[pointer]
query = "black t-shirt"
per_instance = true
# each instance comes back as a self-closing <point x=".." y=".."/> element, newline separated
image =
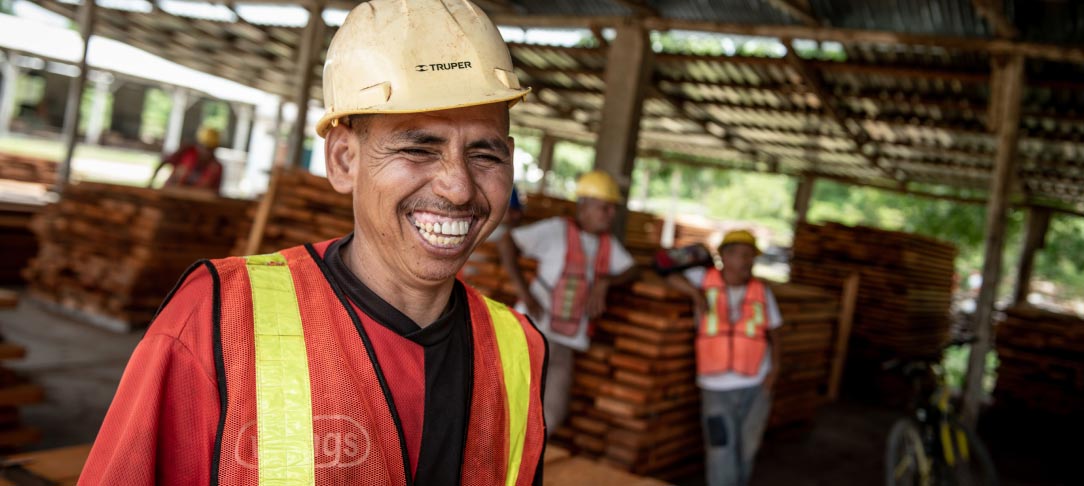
<point x="448" y="377"/>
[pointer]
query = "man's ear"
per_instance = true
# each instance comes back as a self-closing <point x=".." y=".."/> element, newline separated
<point x="340" y="151"/>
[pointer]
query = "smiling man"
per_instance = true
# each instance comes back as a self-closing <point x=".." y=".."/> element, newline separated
<point x="360" y="360"/>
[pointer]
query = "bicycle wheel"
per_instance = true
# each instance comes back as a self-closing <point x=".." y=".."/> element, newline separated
<point x="906" y="461"/>
<point x="974" y="466"/>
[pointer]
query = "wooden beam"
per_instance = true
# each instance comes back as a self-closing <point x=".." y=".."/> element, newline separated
<point x="801" y="13"/>
<point x="639" y="8"/>
<point x="628" y="71"/>
<point x="73" y="107"/>
<point x="545" y="158"/>
<point x="1050" y="52"/>
<point x="1010" y="71"/>
<point x="803" y="196"/>
<point x="307" y="55"/>
<point x="848" y="301"/>
<point x="1034" y="239"/>
<point x="994" y="14"/>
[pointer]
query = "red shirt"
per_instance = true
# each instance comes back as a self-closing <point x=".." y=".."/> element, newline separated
<point x="190" y="171"/>
<point x="161" y="426"/>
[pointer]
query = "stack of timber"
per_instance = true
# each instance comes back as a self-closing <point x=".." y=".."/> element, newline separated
<point x="484" y="272"/>
<point x="15" y="392"/>
<point x="635" y="403"/>
<point x="27" y="169"/>
<point x="1041" y="369"/>
<point x="903" y="301"/>
<point x="561" y="469"/>
<point x="59" y="467"/>
<point x="111" y="253"/>
<point x="17" y="242"/>
<point x="304" y="209"/>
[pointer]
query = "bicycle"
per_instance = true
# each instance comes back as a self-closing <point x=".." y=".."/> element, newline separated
<point x="931" y="447"/>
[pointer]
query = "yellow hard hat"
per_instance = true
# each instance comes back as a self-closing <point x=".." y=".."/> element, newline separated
<point x="208" y="137"/>
<point x="740" y="236"/>
<point x="598" y="185"/>
<point x="394" y="56"/>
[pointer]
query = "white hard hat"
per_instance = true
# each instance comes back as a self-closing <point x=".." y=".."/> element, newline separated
<point x="410" y="56"/>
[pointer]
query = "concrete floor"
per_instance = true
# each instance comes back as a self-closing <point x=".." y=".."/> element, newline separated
<point x="77" y="364"/>
<point x="80" y="365"/>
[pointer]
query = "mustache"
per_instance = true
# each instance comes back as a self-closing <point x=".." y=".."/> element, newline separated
<point x="441" y="205"/>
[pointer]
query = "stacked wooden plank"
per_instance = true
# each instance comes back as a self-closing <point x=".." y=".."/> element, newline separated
<point x="635" y="403"/>
<point x="1042" y="363"/>
<point x="561" y="469"/>
<point x="15" y="392"/>
<point x="27" y="169"/>
<point x="903" y="302"/>
<point x="304" y="209"/>
<point x="809" y="344"/>
<point x="17" y="242"/>
<point x="112" y="253"/>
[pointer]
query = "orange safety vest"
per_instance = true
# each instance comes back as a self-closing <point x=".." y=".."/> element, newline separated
<point x="352" y="428"/>
<point x="570" y="294"/>
<point x="737" y="347"/>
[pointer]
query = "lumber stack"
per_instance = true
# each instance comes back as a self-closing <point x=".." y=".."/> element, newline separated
<point x="903" y="301"/>
<point x="635" y="403"/>
<point x="808" y="341"/>
<point x="27" y="169"/>
<point x="15" y="392"/>
<point x="1042" y="363"/>
<point x="304" y="209"/>
<point x="112" y="253"/>
<point x="17" y="242"/>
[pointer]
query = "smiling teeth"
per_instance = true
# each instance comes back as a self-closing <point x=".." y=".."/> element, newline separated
<point x="446" y="233"/>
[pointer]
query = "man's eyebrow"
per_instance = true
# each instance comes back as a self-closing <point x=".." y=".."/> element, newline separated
<point x="418" y="137"/>
<point x="494" y="144"/>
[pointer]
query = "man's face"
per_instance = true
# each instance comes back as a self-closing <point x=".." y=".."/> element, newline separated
<point x="738" y="261"/>
<point x="428" y="187"/>
<point x="596" y="216"/>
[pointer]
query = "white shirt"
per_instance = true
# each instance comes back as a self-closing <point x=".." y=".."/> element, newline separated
<point x="735" y="294"/>
<point x="545" y="241"/>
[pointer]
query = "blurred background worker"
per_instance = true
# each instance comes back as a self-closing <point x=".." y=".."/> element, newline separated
<point x="736" y="363"/>
<point x="578" y="261"/>
<point x="194" y="165"/>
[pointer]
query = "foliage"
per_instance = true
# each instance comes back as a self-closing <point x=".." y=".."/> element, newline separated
<point x="86" y="107"/>
<point x="156" y="106"/>
<point x="216" y="114"/>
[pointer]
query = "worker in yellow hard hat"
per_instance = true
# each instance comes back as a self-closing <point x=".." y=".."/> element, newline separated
<point x="195" y="165"/>
<point x="578" y="261"/>
<point x="737" y="356"/>
<point x="362" y="359"/>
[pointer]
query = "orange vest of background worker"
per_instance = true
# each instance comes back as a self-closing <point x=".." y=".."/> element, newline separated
<point x="578" y="261"/>
<point x="723" y="346"/>
<point x="195" y="166"/>
<point x="737" y="357"/>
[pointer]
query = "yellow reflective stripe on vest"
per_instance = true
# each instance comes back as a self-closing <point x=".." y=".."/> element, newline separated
<point x="283" y="397"/>
<point x="516" y="365"/>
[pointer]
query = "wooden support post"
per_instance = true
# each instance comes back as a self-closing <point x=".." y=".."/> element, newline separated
<point x="803" y="196"/>
<point x="847" y="304"/>
<point x="628" y="71"/>
<point x="96" y="123"/>
<point x="1009" y="72"/>
<point x="75" y="97"/>
<point x="669" y="225"/>
<point x="312" y="39"/>
<point x="244" y="126"/>
<point x="545" y="160"/>
<point x="8" y="103"/>
<point x="175" y="127"/>
<point x="1034" y="239"/>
